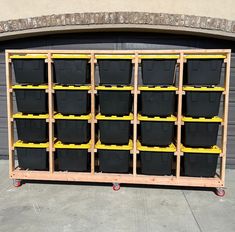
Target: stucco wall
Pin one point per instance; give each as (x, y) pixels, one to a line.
(19, 18)
(15, 9)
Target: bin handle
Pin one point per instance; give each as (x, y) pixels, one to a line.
(149, 65)
(211, 127)
(165, 126)
(78, 65)
(166, 65)
(61, 65)
(19, 64)
(195, 64)
(166, 96)
(214, 66)
(212, 97)
(122, 65)
(194, 98)
(36, 65)
(38, 95)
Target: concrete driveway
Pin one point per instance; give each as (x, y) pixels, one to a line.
(59, 207)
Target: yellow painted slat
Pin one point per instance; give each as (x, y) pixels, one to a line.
(115, 57)
(99, 145)
(114, 117)
(171, 118)
(71, 56)
(202, 119)
(29, 56)
(22, 144)
(212, 150)
(60, 145)
(29, 87)
(71, 87)
(192, 88)
(103, 87)
(170, 148)
(157, 88)
(215, 56)
(72, 117)
(30, 116)
(159, 56)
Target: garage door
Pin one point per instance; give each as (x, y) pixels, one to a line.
(116, 41)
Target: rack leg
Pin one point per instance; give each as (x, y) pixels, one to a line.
(220, 192)
(17, 183)
(116, 186)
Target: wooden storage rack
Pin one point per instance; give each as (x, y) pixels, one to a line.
(133, 178)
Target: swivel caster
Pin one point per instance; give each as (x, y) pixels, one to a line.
(116, 186)
(17, 183)
(219, 192)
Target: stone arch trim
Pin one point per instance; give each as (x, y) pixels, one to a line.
(163, 21)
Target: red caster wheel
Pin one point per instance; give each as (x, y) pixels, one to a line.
(17, 183)
(116, 186)
(219, 192)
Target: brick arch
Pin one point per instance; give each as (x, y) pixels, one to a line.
(215, 27)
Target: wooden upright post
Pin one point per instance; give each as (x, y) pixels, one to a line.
(92, 113)
(179, 114)
(10, 122)
(135, 119)
(51, 114)
(225, 117)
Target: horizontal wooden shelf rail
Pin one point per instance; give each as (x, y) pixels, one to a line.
(133, 177)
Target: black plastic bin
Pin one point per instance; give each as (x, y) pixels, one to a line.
(72, 157)
(30, 71)
(115, 100)
(74, 101)
(156, 160)
(203, 71)
(158, 71)
(32, 158)
(200, 162)
(72, 129)
(114, 158)
(202, 102)
(72, 71)
(156, 131)
(115, 72)
(200, 132)
(31, 101)
(114, 129)
(32, 130)
(157, 101)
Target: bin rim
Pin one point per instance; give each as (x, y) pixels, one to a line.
(202, 119)
(157, 88)
(22, 144)
(212, 150)
(129, 146)
(159, 57)
(114, 117)
(114, 87)
(60, 145)
(204, 56)
(170, 148)
(171, 118)
(115, 57)
(29, 56)
(203, 88)
(72, 117)
(30, 87)
(20, 115)
(70, 56)
(72, 87)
